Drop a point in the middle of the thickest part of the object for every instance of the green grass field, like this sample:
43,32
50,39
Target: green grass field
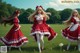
50,46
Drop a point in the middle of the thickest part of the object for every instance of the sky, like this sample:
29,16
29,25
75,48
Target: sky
56,4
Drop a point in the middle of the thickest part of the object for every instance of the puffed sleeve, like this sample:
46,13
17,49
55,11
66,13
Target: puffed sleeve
73,20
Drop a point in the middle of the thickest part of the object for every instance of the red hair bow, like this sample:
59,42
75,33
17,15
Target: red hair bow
17,11
39,6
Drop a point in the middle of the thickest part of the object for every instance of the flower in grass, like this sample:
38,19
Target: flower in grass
61,44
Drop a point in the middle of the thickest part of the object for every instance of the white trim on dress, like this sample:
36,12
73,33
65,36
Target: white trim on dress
14,41
68,38
44,33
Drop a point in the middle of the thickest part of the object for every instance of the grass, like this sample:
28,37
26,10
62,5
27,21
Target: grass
50,46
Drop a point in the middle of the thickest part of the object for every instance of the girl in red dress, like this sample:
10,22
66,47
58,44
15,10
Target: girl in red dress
14,38
72,32
40,28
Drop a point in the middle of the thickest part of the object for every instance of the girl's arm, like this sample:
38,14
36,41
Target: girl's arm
71,26
72,23
16,24
48,13
18,28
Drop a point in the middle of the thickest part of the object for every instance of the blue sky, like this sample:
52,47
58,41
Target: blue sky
56,4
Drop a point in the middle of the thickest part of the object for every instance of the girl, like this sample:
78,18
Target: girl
14,37
40,28
72,32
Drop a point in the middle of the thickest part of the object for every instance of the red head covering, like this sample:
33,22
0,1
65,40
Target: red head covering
17,12
39,6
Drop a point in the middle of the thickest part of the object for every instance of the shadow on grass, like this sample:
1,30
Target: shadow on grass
30,49
26,49
64,48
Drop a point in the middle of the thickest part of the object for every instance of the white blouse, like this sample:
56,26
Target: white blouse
77,19
39,17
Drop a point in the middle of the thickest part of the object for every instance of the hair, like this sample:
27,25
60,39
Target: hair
10,19
68,22
31,17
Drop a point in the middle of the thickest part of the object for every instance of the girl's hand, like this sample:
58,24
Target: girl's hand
48,25
19,25
18,28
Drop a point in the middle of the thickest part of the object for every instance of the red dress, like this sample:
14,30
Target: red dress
14,38
72,32
41,27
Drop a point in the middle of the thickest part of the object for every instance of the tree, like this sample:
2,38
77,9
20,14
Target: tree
22,10
30,10
55,17
65,14
0,1
3,9
78,10
11,9
24,16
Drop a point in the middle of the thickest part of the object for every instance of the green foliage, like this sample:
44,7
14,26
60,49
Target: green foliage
56,16
78,10
3,9
24,16
65,14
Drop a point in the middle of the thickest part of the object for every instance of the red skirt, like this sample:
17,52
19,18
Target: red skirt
14,38
43,29
71,35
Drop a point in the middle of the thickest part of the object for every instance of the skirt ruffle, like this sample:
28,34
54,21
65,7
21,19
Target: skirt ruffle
49,32
71,35
14,43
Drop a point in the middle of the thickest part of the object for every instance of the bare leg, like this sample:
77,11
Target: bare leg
38,41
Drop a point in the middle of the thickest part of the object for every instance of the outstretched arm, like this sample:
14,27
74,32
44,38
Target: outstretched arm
48,13
71,26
